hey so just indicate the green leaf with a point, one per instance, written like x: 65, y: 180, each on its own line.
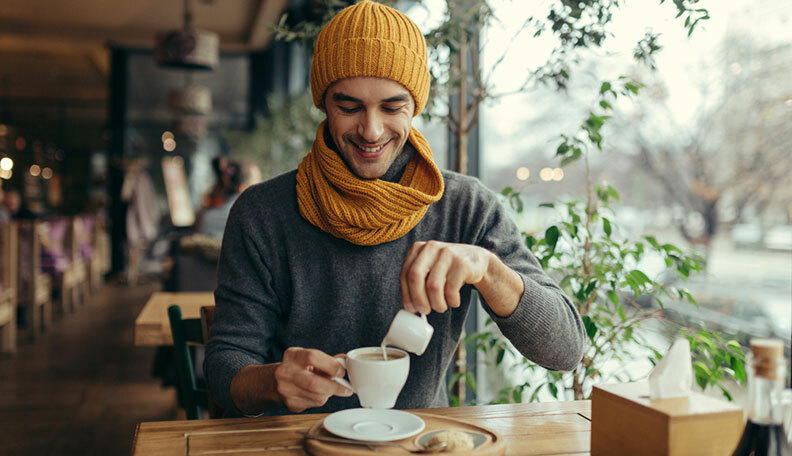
x: 605, y: 105
x: 614, y: 298
x: 605, y: 87
x: 454, y: 379
x: 550, y: 205
x: 470, y: 380
x: 739, y: 369
x: 551, y: 236
x: 591, y: 286
x: 507, y: 191
x: 606, y: 225
x: 501, y: 354
x: 553, y: 389
x: 517, y: 395
x: 591, y: 327
x: 562, y: 149
x: 622, y: 314
x: 638, y: 277
x: 530, y: 241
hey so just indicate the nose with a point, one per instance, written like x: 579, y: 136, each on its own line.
x: 371, y: 127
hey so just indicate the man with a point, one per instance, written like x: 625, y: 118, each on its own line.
x: 318, y: 261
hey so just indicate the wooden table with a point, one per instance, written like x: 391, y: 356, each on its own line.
x: 528, y: 429
x: 152, y: 327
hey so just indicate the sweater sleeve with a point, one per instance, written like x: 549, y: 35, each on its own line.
x: 545, y: 327
x: 247, y: 310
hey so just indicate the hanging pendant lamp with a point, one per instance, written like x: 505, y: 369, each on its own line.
x: 188, y: 48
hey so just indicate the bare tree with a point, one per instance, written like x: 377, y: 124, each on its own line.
x: 736, y: 155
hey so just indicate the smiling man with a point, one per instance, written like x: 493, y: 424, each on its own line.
x: 317, y: 262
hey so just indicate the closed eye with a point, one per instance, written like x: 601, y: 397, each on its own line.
x: 349, y: 110
x: 391, y: 109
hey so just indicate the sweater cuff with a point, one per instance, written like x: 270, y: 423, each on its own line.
x: 530, y: 320
x: 232, y: 363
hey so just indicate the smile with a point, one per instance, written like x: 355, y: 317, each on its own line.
x: 371, y: 152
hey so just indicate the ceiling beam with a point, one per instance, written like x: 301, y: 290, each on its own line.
x: 267, y: 14
x: 56, y: 40
x: 55, y: 92
x: 25, y: 44
x: 101, y: 61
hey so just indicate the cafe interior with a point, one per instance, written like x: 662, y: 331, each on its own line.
x: 117, y: 122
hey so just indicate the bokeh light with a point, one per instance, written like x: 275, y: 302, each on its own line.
x: 6, y: 164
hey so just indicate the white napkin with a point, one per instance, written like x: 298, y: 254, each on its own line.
x: 673, y: 375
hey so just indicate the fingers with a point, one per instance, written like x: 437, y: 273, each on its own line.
x: 434, y: 272
x: 412, y: 254
x: 436, y: 281
x: 414, y: 273
x: 303, y: 378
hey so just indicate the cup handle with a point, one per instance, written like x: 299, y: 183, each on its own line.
x: 342, y: 381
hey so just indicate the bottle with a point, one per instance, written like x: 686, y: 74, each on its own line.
x: 764, y: 432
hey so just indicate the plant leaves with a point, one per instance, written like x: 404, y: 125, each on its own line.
x: 606, y: 225
x: 551, y: 237
x: 591, y: 327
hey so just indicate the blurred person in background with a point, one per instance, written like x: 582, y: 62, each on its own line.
x: 15, y: 206
x: 217, y: 194
x: 238, y: 177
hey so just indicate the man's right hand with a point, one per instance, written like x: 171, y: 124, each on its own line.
x: 304, y: 381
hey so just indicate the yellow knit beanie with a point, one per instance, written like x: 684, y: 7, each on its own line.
x: 369, y: 39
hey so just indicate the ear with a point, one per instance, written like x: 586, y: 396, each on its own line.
x: 322, y: 106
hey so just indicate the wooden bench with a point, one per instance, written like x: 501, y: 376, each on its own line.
x: 35, y: 287
x: 8, y: 287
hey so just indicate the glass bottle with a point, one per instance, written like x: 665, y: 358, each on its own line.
x: 764, y: 432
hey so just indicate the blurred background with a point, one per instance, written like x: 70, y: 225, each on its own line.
x: 128, y: 128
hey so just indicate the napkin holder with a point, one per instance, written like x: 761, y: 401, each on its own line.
x: 624, y: 421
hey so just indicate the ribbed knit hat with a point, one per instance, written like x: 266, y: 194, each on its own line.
x: 369, y: 39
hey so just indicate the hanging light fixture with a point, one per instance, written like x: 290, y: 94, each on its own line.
x: 188, y: 48
x: 190, y: 100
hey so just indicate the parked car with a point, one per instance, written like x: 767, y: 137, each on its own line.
x: 779, y: 238
x: 746, y: 235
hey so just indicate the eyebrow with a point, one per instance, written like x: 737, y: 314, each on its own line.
x: 340, y: 96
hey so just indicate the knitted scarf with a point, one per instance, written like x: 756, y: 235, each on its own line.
x: 365, y: 212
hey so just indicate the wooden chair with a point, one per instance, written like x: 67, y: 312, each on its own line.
x: 207, y: 320
x: 90, y: 247
x: 35, y: 287
x: 79, y: 252
x: 193, y: 399
x: 9, y: 250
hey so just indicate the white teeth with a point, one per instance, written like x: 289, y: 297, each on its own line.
x: 370, y: 149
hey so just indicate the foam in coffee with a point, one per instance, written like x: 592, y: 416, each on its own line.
x: 378, y: 356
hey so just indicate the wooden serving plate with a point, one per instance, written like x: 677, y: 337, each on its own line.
x: 492, y: 445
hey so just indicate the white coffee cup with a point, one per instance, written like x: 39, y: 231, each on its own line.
x: 376, y: 382
x: 410, y: 332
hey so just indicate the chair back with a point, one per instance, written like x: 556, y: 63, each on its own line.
x: 8, y: 287
x: 184, y: 331
x: 9, y: 250
x: 207, y: 320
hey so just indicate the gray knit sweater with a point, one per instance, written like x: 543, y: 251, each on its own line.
x: 283, y: 282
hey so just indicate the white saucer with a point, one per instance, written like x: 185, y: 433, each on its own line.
x: 380, y: 425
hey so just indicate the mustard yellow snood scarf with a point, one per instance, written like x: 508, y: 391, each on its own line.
x: 361, y: 211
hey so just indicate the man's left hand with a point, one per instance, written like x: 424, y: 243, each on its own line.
x: 434, y: 272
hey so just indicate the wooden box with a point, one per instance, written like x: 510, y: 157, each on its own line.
x: 624, y: 421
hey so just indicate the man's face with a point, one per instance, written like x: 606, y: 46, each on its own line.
x: 369, y: 120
